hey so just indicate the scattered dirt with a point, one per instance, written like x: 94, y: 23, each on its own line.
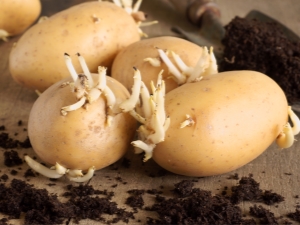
x: 185, y: 204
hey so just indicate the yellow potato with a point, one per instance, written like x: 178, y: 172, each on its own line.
x: 81, y: 139
x: 17, y: 15
x: 233, y: 118
x: 134, y: 55
x: 98, y: 30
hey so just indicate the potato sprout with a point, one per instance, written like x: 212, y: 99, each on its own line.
x: 188, y: 121
x: 3, y: 35
x: 150, y: 112
x: 181, y: 73
x: 87, y: 90
x: 286, y: 138
x: 133, y: 10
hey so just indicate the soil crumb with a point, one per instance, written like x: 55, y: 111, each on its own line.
x: 11, y: 158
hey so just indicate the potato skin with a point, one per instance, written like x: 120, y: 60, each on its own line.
x: 17, y: 15
x: 237, y: 117
x: 80, y: 139
x: 134, y: 55
x: 98, y: 30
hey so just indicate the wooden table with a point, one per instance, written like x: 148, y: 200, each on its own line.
x: 274, y: 169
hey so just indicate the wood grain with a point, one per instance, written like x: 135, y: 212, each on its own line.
x: 275, y: 169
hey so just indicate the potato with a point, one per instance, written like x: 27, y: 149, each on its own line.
x: 135, y: 54
x: 233, y: 117
x: 98, y: 30
x: 17, y: 15
x: 81, y: 139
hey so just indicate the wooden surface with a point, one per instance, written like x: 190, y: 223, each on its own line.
x: 274, y: 169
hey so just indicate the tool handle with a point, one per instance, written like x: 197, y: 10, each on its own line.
x: 195, y: 10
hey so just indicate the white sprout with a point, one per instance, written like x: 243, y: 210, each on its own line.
x: 86, y: 89
x: 152, y: 117
x: 96, y: 18
x: 102, y: 78
x: 180, y: 78
x: 188, y: 121
x: 145, y: 96
x: 153, y: 61
x: 86, y: 70
x: 111, y: 101
x: 181, y: 73
x: 58, y: 171
x: 200, y: 67
x: 147, y: 148
x: 213, y: 66
x: 182, y: 66
x: 137, y: 116
x: 146, y: 24
x: 70, y: 67
x: 73, y: 107
x: 42, y: 19
x: 3, y: 35
x: 83, y: 178
x: 137, y: 6
x: 133, y: 10
x: 130, y: 103
x: 51, y: 173
x: 286, y: 137
x: 94, y: 94
x: 75, y: 173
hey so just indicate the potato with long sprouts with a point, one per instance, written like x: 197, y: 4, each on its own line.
x: 77, y: 125
x: 94, y: 28
x: 215, y: 124
x: 182, y: 61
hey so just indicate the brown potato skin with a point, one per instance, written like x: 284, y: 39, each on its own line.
x: 134, y: 55
x: 237, y: 117
x: 80, y: 139
x: 17, y: 15
x: 37, y: 59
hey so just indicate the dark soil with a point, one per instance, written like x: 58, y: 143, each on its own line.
x: 195, y: 206
x: 135, y: 200
x: 261, y: 46
x: 295, y: 215
x: 264, y: 215
x: 7, y: 142
x: 249, y: 190
x: 11, y: 158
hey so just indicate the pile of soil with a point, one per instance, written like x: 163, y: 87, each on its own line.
x: 195, y: 206
x: 262, y: 46
x: 41, y: 207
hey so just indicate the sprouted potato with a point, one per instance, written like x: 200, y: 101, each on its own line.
x: 213, y: 125
x: 17, y: 15
x: 152, y: 55
x: 96, y: 29
x: 76, y: 125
